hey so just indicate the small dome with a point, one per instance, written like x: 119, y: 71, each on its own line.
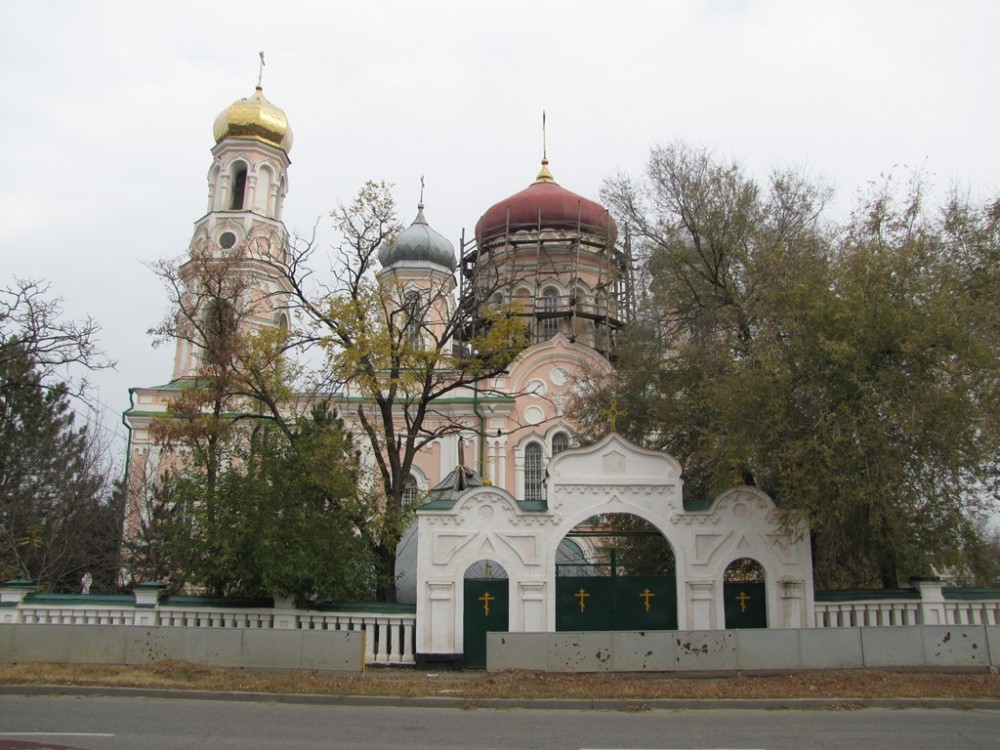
x: 418, y: 243
x: 544, y: 203
x: 256, y: 119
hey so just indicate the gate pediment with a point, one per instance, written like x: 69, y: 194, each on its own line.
x: 611, y: 458
x: 615, y: 476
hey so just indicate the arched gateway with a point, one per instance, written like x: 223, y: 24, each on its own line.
x: 611, y: 477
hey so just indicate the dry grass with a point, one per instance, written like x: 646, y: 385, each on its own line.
x: 407, y: 682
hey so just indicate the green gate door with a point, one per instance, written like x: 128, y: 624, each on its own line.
x: 645, y: 603
x: 746, y: 604
x: 485, y: 610
x: 616, y: 603
x: 585, y: 603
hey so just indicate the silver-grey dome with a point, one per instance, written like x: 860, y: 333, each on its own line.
x: 418, y: 243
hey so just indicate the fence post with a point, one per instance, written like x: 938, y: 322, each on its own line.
x: 12, y: 595
x: 286, y: 615
x: 931, y: 610
x: 790, y: 593
x: 147, y: 598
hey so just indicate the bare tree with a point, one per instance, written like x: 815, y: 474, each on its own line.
x: 32, y: 326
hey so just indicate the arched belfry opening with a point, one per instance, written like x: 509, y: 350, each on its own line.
x: 239, y: 190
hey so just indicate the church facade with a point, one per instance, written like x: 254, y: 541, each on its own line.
x: 553, y: 256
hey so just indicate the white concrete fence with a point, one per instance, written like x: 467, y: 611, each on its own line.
x: 388, y: 629
x: 929, y: 602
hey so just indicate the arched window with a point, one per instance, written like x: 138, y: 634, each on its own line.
x: 262, y: 190
x: 409, y: 491
x: 534, y: 472
x: 219, y: 326
x: 560, y: 442
x: 549, y: 324
x: 239, y: 186
x: 412, y: 320
x: 602, y: 303
x: 743, y: 570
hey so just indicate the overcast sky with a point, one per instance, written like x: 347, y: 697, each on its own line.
x: 107, y: 112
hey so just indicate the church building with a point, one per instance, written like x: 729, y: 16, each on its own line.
x: 514, y: 516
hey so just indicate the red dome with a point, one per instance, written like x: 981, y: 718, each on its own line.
x: 544, y: 203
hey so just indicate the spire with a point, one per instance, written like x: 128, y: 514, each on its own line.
x: 544, y: 175
x: 260, y: 71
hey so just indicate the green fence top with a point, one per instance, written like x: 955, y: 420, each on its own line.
x: 697, y: 504
x: 853, y: 595
x: 383, y: 608
x: 970, y: 594
x: 212, y: 601
x: 123, y: 600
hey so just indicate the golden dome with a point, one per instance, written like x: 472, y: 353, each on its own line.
x: 256, y: 119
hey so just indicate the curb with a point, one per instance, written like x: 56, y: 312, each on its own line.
x: 507, y: 704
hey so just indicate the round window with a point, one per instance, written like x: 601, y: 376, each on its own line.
x: 227, y: 240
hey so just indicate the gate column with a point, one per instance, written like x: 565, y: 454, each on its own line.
x: 442, y: 617
x: 533, y: 607
x: 791, y: 603
x: 700, y: 611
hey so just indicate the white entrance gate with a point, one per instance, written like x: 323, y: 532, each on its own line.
x: 612, y: 476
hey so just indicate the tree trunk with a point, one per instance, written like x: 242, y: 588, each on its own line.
x: 385, y: 585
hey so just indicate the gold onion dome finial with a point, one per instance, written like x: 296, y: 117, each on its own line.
x: 254, y: 118
x: 544, y: 175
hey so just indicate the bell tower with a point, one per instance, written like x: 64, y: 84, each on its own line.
x: 240, y: 243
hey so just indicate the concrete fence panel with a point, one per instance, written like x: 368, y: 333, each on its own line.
x: 838, y: 648
x: 225, y: 647
x: 752, y: 650
x: 956, y: 646
x: 893, y: 647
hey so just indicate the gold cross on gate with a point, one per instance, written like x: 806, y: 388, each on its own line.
x: 613, y: 413
x: 581, y: 595
x: 486, y: 599
x: 647, y: 595
x: 743, y: 599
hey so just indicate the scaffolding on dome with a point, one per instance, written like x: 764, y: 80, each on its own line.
x: 561, y: 278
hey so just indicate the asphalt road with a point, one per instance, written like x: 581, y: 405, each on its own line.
x: 100, y: 722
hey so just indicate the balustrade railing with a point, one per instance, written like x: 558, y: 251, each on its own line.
x: 388, y: 629
x: 927, y: 603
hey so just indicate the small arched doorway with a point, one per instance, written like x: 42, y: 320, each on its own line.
x: 745, y: 594
x: 623, y: 579
x: 486, y: 609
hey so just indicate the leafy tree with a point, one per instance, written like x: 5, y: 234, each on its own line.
x: 253, y: 498
x: 391, y: 354
x: 849, y: 371
x: 395, y: 356
x: 276, y: 521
